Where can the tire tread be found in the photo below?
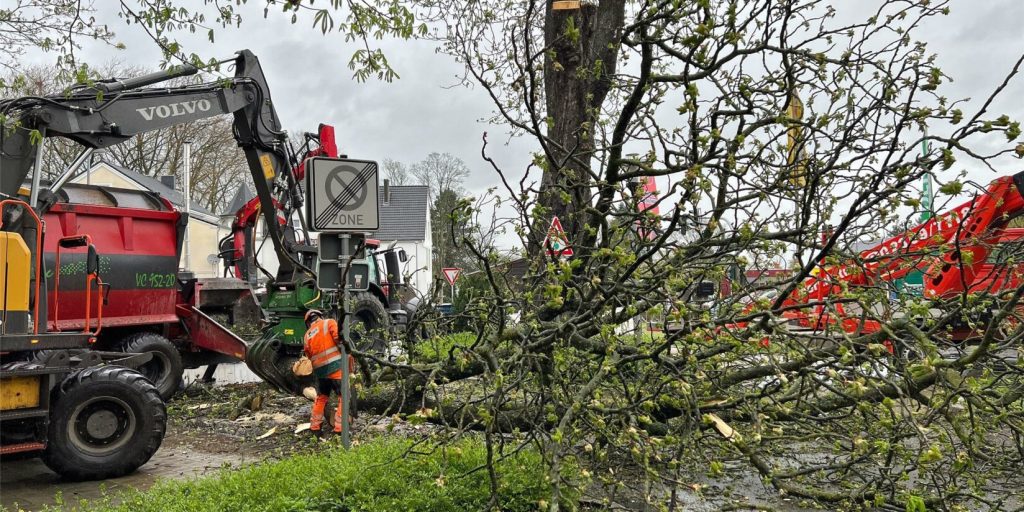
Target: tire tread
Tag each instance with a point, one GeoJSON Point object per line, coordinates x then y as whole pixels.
{"type": "Point", "coordinates": [135, 344]}
{"type": "Point", "coordinates": [153, 406]}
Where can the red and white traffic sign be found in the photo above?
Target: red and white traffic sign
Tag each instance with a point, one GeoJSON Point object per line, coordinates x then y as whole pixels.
{"type": "Point", "coordinates": [451, 274]}
{"type": "Point", "coordinates": [556, 243]}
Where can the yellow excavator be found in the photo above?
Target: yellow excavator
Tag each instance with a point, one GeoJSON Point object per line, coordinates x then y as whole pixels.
{"type": "Point", "coordinates": [88, 414]}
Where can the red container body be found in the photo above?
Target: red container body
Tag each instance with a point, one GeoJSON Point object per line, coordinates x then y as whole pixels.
{"type": "Point", "coordinates": [139, 251]}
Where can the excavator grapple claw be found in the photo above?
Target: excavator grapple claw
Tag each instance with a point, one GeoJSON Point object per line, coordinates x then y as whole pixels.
{"type": "Point", "coordinates": [267, 358]}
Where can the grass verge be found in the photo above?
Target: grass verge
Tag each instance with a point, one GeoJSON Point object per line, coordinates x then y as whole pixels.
{"type": "Point", "coordinates": [383, 474]}
{"type": "Point", "coordinates": [440, 348]}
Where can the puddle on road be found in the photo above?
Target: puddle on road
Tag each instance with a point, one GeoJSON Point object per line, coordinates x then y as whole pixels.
{"type": "Point", "coordinates": [28, 484]}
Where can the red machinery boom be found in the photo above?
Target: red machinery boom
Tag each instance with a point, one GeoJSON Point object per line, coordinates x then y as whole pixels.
{"type": "Point", "coordinates": [961, 235]}
{"type": "Point", "coordinates": [241, 242]}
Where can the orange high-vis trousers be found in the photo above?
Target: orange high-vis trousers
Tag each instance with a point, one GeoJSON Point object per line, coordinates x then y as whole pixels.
{"type": "Point", "coordinates": [324, 387]}
{"type": "Point", "coordinates": [317, 420]}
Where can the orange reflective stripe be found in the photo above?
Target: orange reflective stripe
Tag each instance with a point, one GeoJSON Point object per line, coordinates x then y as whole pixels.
{"type": "Point", "coordinates": [328, 351]}
{"type": "Point", "coordinates": [324, 360]}
{"type": "Point", "coordinates": [318, 360]}
{"type": "Point", "coordinates": [320, 364]}
{"type": "Point", "coordinates": [321, 360]}
{"type": "Point", "coordinates": [328, 356]}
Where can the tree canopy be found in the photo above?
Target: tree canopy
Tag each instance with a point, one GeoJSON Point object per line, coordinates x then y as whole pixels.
{"type": "Point", "coordinates": [775, 130]}
{"type": "Point", "coordinates": [60, 26]}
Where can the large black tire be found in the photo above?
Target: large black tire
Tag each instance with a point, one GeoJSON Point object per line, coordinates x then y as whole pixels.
{"type": "Point", "coordinates": [372, 326]}
{"type": "Point", "coordinates": [105, 422]}
{"type": "Point", "coordinates": [165, 369]}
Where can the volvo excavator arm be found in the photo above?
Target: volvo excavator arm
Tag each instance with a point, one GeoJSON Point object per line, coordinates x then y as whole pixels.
{"type": "Point", "coordinates": [111, 112]}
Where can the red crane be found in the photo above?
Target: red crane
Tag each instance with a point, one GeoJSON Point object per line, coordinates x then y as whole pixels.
{"type": "Point", "coordinates": [951, 249]}
{"type": "Point", "coordinates": [242, 250]}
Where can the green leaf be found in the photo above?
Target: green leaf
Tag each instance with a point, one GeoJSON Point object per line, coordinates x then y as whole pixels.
{"type": "Point", "coordinates": [947, 159]}
{"type": "Point", "coordinates": [916, 504]}
{"type": "Point", "coordinates": [1013, 131]}
{"type": "Point", "coordinates": [952, 188]}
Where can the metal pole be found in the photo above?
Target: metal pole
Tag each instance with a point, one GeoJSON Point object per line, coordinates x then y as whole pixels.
{"type": "Point", "coordinates": [187, 192]}
{"type": "Point", "coordinates": [38, 171]}
{"type": "Point", "coordinates": [346, 333]}
{"type": "Point", "coordinates": [97, 156]}
{"type": "Point", "coordinates": [927, 193]}
{"type": "Point", "coordinates": [72, 170]}
{"type": "Point", "coordinates": [346, 435]}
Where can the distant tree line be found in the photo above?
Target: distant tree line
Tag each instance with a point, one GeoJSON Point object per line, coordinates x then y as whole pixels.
{"type": "Point", "coordinates": [443, 174]}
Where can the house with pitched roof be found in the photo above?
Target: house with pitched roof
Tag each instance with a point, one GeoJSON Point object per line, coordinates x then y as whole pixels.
{"type": "Point", "coordinates": [405, 222]}
{"type": "Point", "coordinates": [204, 228]}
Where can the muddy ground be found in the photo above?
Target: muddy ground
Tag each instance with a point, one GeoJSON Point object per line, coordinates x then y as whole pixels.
{"type": "Point", "coordinates": [241, 424]}
{"type": "Point", "coordinates": [209, 429]}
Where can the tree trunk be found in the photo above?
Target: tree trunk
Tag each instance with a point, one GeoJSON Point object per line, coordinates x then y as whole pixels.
{"type": "Point", "coordinates": [583, 46]}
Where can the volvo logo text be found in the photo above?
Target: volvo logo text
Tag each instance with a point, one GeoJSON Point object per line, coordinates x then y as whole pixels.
{"type": "Point", "coordinates": [175, 109]}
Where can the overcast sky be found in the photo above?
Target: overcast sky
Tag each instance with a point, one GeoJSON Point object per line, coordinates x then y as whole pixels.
{"type": "Point", "coordinates": [311, 83]}
{"type": "Point", "coordinates": [978, 44]}
{"type": "Point", "coordinates": [425, 112]}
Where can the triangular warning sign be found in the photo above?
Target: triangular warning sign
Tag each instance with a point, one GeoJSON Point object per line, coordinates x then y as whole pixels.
{"type": "Point", "coordinates": [451, 274]}
{"type": "Point", "coordinates": [556, 242]}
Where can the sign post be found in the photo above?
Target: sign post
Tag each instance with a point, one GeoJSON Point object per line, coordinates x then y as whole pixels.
{"type": "Point", "coordinates": [451, 274]}
{"type": "Point", "coordinates": [927, 194]}
{"type": "Point", "coordinates": [913, 283]}
{"type": "Point", "coordinates": [341, 198]}
{"type": "Point", "coordinates": [347, 253]}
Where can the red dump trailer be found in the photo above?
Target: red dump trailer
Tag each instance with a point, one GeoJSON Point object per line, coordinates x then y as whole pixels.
{"type": "Point", "coordinates": [149, 306]}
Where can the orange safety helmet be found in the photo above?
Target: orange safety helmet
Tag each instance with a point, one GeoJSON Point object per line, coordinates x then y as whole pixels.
{"type": "Point", "coordinates": [311, 315]}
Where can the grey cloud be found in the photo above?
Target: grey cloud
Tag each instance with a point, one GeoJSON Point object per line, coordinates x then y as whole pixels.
{"type": "Point", "coordinates": [405, 120]}
{"type": "Point", "coordinates": [311, 83]}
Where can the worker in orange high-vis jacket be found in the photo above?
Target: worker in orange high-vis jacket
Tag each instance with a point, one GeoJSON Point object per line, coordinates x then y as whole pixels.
{"type": "Point", "coordinates": [321, 347]}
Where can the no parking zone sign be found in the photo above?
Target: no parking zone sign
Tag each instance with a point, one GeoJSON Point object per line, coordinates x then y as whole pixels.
{"type": "Point", "coordinates": [342, 195]}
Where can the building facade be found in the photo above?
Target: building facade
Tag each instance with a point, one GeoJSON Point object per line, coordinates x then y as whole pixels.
{"type": "Point", "coordinates": [199, 255]}
{"type": "Point", "coordinates": [405, 222]}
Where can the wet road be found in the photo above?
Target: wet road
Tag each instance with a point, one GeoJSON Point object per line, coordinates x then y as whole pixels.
{"type": "Point", "coordinates": [28, 484]}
